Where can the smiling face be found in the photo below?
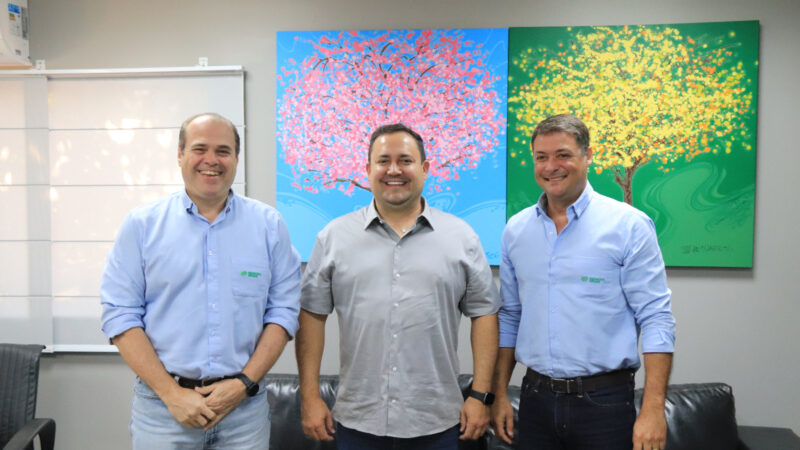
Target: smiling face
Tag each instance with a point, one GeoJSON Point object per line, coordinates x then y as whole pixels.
{"type": "Point", "coordinates": [208, 161]}
{"type": "Point", "coordinates": [396, 172]}
{"type": "Point", "coordinates": [560, 167]}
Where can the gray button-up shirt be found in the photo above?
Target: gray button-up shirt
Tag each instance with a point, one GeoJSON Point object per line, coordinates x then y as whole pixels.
{"type": "Point", "coordinates": [399, 301]}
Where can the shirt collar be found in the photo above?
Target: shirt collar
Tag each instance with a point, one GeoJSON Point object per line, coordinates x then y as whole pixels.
{"type": "Point", "coordinates": [575, 209]}
{"type": "Point", "coordinates": [189, 205]}
{"type": "Point", "coordinates": [425, 217]}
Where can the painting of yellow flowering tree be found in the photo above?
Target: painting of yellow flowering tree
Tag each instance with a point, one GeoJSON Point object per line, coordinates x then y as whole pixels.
{"type": "Point", "coordinates": [672, 115]}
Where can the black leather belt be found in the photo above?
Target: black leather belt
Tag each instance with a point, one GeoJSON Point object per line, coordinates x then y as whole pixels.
{"type": "Point", "coordinates": [191, 383]}
{"type": "Point", "coordinates": [578, 385]}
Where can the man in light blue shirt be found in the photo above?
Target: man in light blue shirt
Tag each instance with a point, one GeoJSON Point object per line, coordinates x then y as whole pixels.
{"type": "Point", "coordinates": [200, 294]}
{"type": "Point", "coordinates": [581, 278]}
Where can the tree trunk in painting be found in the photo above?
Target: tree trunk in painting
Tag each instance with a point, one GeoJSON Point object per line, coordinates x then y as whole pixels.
{"type": "Point", "coordinates": [626, 182]}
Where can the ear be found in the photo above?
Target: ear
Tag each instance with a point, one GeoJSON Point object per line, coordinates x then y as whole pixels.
{"type": "Point", "coordinates": [367, 168]}
{"type": "Point", "coordinates": [180, 157]}
{"type": "Point", "coordinates": [588, 156]}
{"type": "Point", "coordinates": [425, 166]}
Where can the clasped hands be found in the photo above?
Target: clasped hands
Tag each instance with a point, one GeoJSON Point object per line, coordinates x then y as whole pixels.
{"type": "Point", "coordinates": [204, 406]}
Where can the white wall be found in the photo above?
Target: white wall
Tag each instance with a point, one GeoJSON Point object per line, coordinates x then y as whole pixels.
{"type": "Point", "coordinates": [736, 326]}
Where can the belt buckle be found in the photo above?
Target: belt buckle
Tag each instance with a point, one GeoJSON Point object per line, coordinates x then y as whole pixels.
{"type": "Point", "coordinates": [566, 382]}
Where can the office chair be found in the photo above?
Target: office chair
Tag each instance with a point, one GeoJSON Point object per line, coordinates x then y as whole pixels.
{"type": "Point", "coordinates": [19, 381]}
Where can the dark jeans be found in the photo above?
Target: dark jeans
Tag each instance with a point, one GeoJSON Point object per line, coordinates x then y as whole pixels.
{"type": "Point", "coordinates": [601, 419]}
{"type": "Point", "coordinates": [349, 439]}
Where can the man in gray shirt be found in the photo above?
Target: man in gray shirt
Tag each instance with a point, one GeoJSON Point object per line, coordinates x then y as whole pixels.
{"type": "Point", "coordinates": [399, 274]}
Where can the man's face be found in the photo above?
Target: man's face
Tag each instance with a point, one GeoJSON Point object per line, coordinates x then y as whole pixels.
{"type": "Point", "coordinates": [560, 167]}
{"type": "Point", "coordinates": [396, 171]}
{"type": "Point", "coordinates": [208, 160]}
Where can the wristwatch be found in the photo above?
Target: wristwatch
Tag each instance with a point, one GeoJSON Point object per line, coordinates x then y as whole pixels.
{"type": "Point", "coordinates": [250, 387]}
{"type": "Point", "coordinates": [487, 398]}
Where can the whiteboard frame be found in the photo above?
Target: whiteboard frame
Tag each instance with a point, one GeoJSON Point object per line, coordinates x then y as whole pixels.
{"type": "Point", "coordinates": [121, 73]}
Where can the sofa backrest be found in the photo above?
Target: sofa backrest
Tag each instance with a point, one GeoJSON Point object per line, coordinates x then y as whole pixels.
{"type": "Point", "coordinates": [286, 430]}
{"type": "Point", "coordinates": [699, 416]}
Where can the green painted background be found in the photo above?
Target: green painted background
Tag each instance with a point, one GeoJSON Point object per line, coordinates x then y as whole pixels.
{"type": "Point", "coordinates": [703, 209]}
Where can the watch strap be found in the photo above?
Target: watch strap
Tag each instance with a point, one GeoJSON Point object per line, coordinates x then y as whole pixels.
{"type": "Point", "coordinates": [487, 398]}
{"type": "Point", "coordinates": [251, 387]}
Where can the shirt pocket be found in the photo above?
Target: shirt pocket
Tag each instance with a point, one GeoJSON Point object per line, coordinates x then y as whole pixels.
{"type": "Point", "coordinates": [591, 277]}
{"type": "Point", "coordinates": [250, 277]}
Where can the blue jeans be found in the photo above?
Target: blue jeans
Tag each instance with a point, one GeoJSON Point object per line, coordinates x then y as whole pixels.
{"type": "Point", "coordinates": [602, 419]}
{"type": "Point", "coordinates": [154, 428]}
{"type": "Point", "coordinates": [349, 439]}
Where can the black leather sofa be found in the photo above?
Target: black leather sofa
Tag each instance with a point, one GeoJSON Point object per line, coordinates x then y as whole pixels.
{"type": "Point", "coordinates": [699, 417]}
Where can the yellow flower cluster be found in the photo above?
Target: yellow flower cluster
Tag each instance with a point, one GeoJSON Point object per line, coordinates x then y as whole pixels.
{"type": "Point", "coordinates": [646, 92]}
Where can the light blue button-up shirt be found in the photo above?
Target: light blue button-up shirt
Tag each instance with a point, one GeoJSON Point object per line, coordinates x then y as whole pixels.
{"type": "Point", "coordinates": [202, 291]}
{"type": "Point", "coordinates": [575, 303]}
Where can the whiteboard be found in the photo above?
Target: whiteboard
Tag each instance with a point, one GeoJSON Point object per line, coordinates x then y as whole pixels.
{"type": "Point", "coordinates": [78, 150]}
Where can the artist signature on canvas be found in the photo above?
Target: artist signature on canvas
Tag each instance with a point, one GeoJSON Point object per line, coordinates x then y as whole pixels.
{"type": "Point", "coordinates": [705, 248]}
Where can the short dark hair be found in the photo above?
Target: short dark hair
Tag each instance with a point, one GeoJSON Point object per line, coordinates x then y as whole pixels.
{"type": "Point", "coordinates": [396, 128]}
{"type": "Point", "coordinates": [182, 133]}
{"type": "Point", "coordinates": [566, 123]}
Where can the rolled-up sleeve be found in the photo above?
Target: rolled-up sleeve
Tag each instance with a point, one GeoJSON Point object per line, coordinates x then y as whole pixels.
{"type": "Point", "coordinates": [316, 295]}
{"type": "Point", "coordinates": [644, 282]}
{"type": "Point", "coordinates": [511, 310]}
{"type": "Point", "coordinates": [481, 297]}
{"type": "Point", "coordinates": [123, 284]}
{"type": "Point", "coordinates": [283, 297]}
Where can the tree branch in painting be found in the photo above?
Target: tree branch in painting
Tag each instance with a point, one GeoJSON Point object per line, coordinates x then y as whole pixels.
{"type": "Point", "coordinates": [433, 81]}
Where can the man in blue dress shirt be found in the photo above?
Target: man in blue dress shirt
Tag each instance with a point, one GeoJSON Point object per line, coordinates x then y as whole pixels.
{"type": "Point", "coordinates": [581, 278]}
{"type": "Point", "coordinates": [200, 294]}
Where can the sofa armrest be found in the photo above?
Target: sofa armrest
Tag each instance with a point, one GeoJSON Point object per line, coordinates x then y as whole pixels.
{"type": "Point", "coordinates": [756, 438]}
{"type": "Point", "coordinates": [44, 428]}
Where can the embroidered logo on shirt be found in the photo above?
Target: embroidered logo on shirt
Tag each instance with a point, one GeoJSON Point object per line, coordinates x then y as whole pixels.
{"type": "Point", "coordinates": [245, 273]}
{"type": "Point", "coordinates": [592, 279]}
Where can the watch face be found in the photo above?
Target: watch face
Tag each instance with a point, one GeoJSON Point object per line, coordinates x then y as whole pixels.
{"type": "Point", "coordinates": [252, 389]}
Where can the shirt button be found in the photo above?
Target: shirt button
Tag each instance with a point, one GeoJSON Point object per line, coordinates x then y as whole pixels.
{"type": "Point", "coordinates": [394, 336]}
{"type": "Point", "coordinates": [394, 400]}
{"type": "Point", "coordinates": [210, 253]}
{"type": "Point", "coordinates": [213, 333]}
{"type": "Point", "coordinates": [396, 305]}
{"type": "Point", "coordinates": [213, 306]}
{"type": "Point", "coordinates": [552, 310]}
{"type": "Point", "coordinates": [397, 275]}
{"type": "Point", "coordinates": [394, 369]}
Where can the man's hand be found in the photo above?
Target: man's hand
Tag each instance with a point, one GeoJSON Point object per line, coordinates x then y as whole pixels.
{"type": "Point", "coordinates": [189, 408]}
{"type": "Point", "coordinates": [650, 430]}
{"type": "Point", "coordinates": [474, 419]}
{"type": "Point", "coordinates": [317, 419]}
{"type": "Point", "coordinates": [222, 397]}
{"type": "Point", "coordinates": [503, 419]}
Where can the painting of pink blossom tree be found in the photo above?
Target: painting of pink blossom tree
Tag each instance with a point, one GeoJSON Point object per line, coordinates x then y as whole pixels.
{"type": "Point", "coordinates": [335, 88]}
